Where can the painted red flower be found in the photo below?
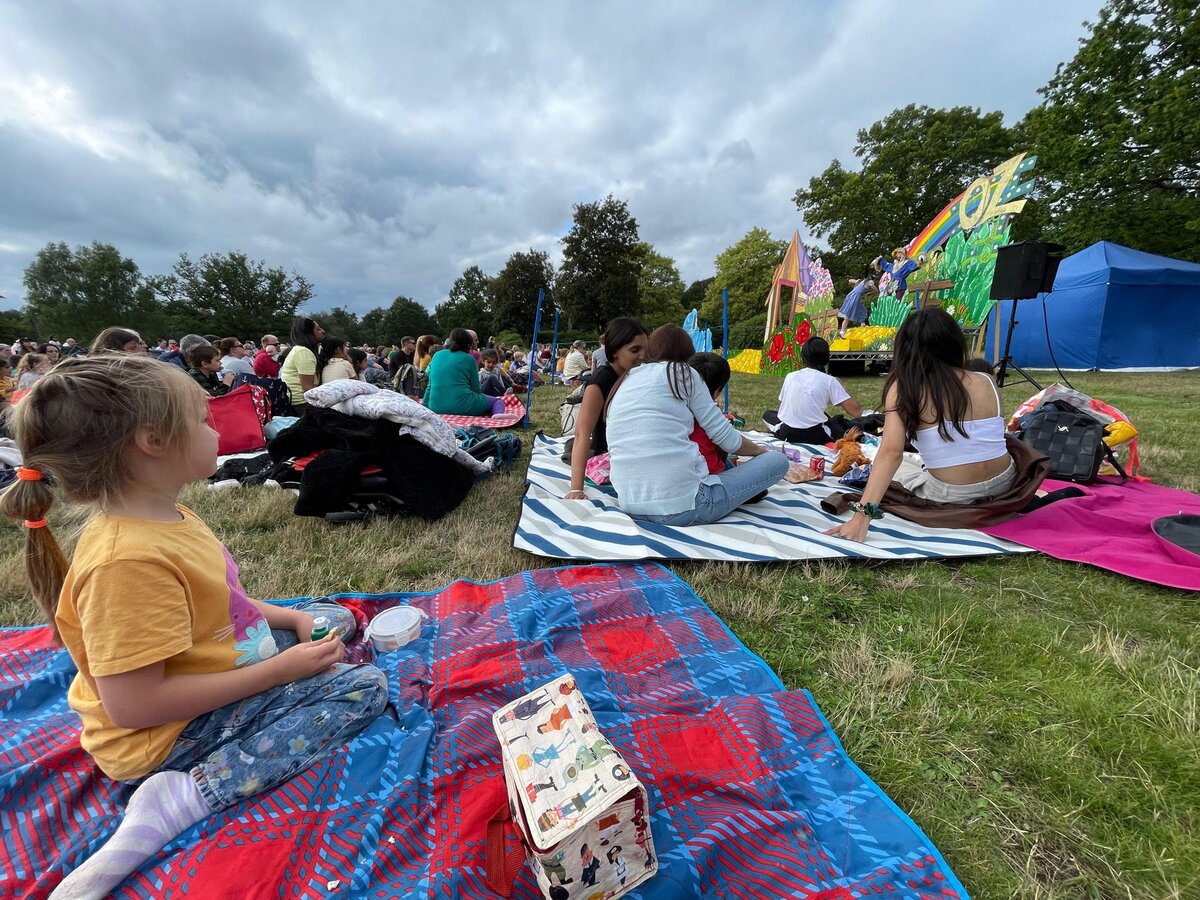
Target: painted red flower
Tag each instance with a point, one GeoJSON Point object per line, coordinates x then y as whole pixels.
{"type": "Point", "coordinates": [803, 331]}
{"type": "Point", "coordinates": [791, 350]}
{"type": "Point", "coordinates": [775, 354]}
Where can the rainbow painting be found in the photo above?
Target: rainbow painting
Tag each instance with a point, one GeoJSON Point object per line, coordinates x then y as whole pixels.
{"type": "Point", "coordinates": [999, 194]}
{"type": "Point", "coordinates": [937, 232]}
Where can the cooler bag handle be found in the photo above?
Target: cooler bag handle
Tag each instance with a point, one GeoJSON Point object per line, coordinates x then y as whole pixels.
{"type": "Point", "coordinates": [502, 865]}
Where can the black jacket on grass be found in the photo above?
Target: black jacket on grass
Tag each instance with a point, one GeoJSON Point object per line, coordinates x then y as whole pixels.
{"type": "Point", "coordinates": [429, 483]}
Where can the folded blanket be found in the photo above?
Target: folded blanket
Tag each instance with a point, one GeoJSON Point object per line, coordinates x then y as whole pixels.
{"type": "Point", "coordinates": [366, 401]}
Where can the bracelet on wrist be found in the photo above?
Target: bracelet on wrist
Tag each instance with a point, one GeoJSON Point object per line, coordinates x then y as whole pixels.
{"type": "Point", "coordinates": [870, 510]}
{"type": "Point", "coordinates": [576, 491]}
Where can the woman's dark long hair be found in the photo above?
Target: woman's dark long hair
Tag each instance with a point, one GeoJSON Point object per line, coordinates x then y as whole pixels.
{"type": "Point", "coordinates": [927, 367]}
{"type": "Point", "coordinates": [460, 340]}
{"type": "Point", "coordinates": [620, 332]}
{"type": "Point", "coordinates": [672, 345]}
{"type": "Point", "coordinates": [329, 347]}
{"type": "Point", "coordinates": [304, 333]}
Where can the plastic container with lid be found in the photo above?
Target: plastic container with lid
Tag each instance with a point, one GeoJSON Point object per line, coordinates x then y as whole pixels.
{"type": "Point", "coordinates": [395, 627]}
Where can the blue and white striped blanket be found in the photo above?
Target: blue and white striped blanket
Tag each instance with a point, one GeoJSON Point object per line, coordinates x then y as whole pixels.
{"type": "Point", "coordinates": [787, 525]}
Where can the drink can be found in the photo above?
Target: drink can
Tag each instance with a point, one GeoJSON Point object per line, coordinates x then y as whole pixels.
{"type": "Point", "coordinates": [816, 465]}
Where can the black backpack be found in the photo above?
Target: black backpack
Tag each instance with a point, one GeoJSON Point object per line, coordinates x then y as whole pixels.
{"type": "Point", "coordinates": [1073, 441]}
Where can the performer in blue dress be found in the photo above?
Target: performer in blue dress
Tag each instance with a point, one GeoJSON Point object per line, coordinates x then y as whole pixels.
{"type": "Point", "coordinates": [853, 311]}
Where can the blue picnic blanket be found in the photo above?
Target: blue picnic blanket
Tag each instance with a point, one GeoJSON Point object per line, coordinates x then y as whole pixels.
{"type": "Point", "coordinates": [751, 793]}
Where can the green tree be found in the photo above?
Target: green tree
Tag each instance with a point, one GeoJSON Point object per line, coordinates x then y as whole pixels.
{"type": "Point", "coordinates": [601, 263]}
{"type": "Point", "coordinates": [745, 269]}
{"type": "Point", "coordinates": [404, 316]}
{"type": "Point", "coordinates": [1118, 132]}
{"type": "Point", "coordinates": [515, 291]}
{"type": "Point", "coordinates": [341, 322]}
{"type": "Point", "coordinates": [660, 289]}
{"type": "Point", "coordinates": [228, 295]}
{"type": "Point", "coordinates": [468, 306]}
{"type": "Point", "coordinates": [78, 293]}
{"type": "Point", "coordinates": [693, 297]}
{"type": "Point", "coordinates": [15, 324]}
{"type": "Point", "coordinates": [914, 162]}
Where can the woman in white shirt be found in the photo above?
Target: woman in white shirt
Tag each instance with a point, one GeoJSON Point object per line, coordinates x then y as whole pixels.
{"type": "Point", "coordinates": [333, 360]}
{"type": "Point", "coordinates": [657, 471]}
{"type": "Point", "coordinates": [805, 396]}
{"type": "Point", "coordinates": [952, 416]}
{"type": "Point", "coordinates": [575, 363]}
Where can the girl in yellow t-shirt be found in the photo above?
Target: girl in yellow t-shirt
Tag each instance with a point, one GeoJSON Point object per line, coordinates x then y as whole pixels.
{"type": "Point", "coordinates": [186, 687]}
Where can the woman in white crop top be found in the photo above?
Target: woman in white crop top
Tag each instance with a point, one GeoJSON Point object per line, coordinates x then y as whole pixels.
{"type": "Point", "coordinates": [951, 415]}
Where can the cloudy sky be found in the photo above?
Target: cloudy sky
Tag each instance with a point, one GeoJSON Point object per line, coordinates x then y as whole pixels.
{"type": "Point", "coordinates": [380, 149]}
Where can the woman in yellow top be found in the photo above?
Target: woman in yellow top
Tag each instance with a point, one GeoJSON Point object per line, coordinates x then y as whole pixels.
{"type": "Point", "coordinates": [299, 368]}
{"type": "Point", "coordinates": [424, 351]}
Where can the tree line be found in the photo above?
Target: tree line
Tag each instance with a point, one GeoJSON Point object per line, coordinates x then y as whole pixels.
{"type": "Point", "coordinates": [1117, 136]}
{"type": "Point", "coordinates": [607, 271]}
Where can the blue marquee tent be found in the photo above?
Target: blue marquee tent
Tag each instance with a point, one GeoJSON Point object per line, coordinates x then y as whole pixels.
{"type": "Point", "coordinates": [1111, 308]}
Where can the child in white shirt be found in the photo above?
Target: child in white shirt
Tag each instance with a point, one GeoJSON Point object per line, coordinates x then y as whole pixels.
{"type": "Point", "coordinates": [806, 395]}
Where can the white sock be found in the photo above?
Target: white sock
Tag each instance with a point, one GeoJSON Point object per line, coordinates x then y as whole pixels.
{"type": "Point", "coordinates": [162, 807]}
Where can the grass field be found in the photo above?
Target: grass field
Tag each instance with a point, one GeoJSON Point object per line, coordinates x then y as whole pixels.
{"type": "Point", "coordinates": [1040, 720]}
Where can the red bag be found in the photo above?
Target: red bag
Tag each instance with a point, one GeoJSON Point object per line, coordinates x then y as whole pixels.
{"type": "Point", "coordinates": [236, 419]}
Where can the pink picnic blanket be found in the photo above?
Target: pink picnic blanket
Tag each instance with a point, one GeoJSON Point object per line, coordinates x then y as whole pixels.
{"type": "Point", "coordinates": [1110, 528]}
{"type": "Point", "coordinates": [514, 412]}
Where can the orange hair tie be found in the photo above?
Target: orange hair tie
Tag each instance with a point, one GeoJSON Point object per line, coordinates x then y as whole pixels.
{"type": "Point", "coordinates": [39, 523]}
{"type": "Point", "coordinates": [25, 474]}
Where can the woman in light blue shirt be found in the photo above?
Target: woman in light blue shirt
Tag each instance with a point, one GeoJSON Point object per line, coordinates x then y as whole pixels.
{"type": "Point", "coordinates": [657, 471]}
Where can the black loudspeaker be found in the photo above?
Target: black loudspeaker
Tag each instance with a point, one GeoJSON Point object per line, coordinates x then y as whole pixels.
{"type": "Point", "coordinates": [1025, 269]}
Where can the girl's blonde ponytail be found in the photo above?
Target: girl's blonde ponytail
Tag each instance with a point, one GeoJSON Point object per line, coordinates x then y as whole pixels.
{"type": "Point", "coordinates": [28, 500]}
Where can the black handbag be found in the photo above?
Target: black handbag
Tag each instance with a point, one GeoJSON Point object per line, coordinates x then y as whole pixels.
{"type": "Point", "coordinates": [1073, 441]}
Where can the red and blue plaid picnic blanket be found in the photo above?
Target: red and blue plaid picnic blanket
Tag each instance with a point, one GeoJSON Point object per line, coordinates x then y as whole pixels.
{"type": "Point", "coordinates": [514, 412]}
{"type": "Point", "coordinates": [751, 793]}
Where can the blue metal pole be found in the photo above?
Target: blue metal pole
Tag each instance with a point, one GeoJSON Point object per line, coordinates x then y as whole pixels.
{"type": "Point", "coordinates": [537, 323]}
{"type": "Point", "coordinates": [554, 344]}
{"type": "Point", "coordinates": [725, 338]}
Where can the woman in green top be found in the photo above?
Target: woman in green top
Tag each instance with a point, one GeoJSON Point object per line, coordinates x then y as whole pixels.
{"type": "Point", "coordinates": [454, 380]}
{"type": "Point", "coordinates": [299, 367]}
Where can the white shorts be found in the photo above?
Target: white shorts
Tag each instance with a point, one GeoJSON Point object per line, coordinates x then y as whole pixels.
{"type": "Point", "coordinates": [919, 480]}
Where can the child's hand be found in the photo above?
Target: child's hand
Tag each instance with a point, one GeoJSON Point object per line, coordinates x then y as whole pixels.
{"type": "Point", "coordinates": [307, 659]}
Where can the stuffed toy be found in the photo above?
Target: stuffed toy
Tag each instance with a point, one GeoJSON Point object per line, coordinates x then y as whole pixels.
{"type": "Point", "coordinates": [848, 453]}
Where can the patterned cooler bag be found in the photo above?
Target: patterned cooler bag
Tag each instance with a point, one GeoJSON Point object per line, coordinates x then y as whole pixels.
{"type": "Point", "coordinates": [577, 807]}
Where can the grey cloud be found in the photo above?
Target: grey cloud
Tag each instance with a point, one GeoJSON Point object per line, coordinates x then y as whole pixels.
{"type": "Point", "coordinates": [381, 149]}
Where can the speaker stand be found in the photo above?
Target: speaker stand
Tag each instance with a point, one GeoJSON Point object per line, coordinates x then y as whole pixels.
{"type": "Point", "coordinates": [1006, 361]}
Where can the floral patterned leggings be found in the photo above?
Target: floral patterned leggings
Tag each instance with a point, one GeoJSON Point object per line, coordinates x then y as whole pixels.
{"type": "Point", "coordinates": [258, 743]}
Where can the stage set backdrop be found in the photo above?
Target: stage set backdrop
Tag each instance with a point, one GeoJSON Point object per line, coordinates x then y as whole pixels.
{"type": "Point", "coordinates": [954, 258]}
{"type": "Point", "coordinates": [1111, 308]}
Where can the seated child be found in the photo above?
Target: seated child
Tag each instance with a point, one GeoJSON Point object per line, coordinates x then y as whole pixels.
{"type": "Point", "coordinates": [806, 394]}
{"type": "Point", "coordinates": [714, 371]}
{"type": "Point", "coordinates": [492, 379]}
{"type": "Point", "coordinates": [204, 364]}
{"type": "Point", "coordinates": [188, 691]}
{"type": "Point", "coordinates": [6, 382]}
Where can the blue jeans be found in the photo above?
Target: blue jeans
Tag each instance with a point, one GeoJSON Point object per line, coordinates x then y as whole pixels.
{"type": "Point", "coordinates": [261, 742]}
{"type": "Point", "coordinates": [736, 486]}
